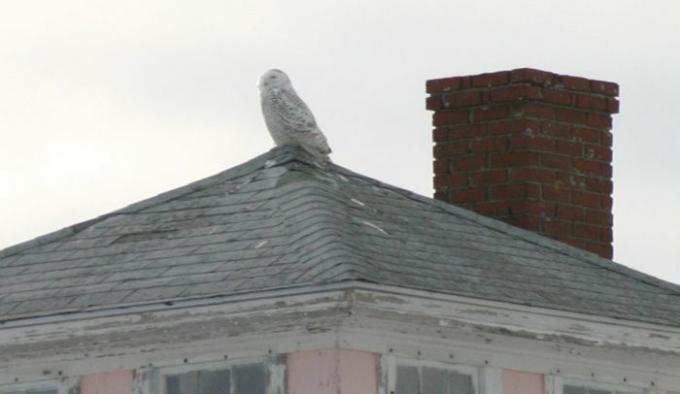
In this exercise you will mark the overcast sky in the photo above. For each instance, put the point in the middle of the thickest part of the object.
(104, 103)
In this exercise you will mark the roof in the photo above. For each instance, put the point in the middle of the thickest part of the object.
(284, 220)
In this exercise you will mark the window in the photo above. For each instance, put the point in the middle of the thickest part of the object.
(220, 378)
(419, 377)
(29, 391)
(572, 386)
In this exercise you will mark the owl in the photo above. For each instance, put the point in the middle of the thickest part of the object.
(289, 120)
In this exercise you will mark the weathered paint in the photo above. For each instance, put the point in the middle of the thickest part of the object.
(332, 371)
(369, 318)
(517, 382)
(118, 382)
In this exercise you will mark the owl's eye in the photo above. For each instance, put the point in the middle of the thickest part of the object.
(272, 76)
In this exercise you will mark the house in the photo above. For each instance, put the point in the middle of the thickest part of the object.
(286, 275)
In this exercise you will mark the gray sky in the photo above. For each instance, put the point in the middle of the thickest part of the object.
(104, 103)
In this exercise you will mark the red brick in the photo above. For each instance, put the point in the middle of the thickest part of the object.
(532, 174)
(439, 134)
(557, 130)
(578, 243)
(599, 185)
(536, 110)
(456, 148)
(570, 180)
(557, 227)
(519, 142)
(587, 166)
(559, 97)
(613, 106)
(489, 177)
(556, 161)
(441, 195)
(462, 99)
(606, 202)
(586, 231)
(587, 200)
(514, 126)
(496, 209)
(526, 222)
(605, 170)
(553, 193)
(513, 191)
(531, 207)
(468, 163)
(489, 144)
(441, 180)
(467, 131)
(600, 120)
(491, 79)
(571, 116)
(569, 148)
(603, 87)
(515, 92)
(575, 83)
(467, 195)
(586, 135)
(606, 234)
(443, 84)
(599, 217)
(532, 75)
(570, 213)
(485, 114)
(604, 250)
(441, 166)
(442, 118)
(513, 159)
(597, 152)
(591, 102)
(433, 103)
(606, 138)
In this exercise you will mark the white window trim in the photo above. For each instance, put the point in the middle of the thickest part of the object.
(484, 380)
(59, 386)
(555, 385)
(154, 381)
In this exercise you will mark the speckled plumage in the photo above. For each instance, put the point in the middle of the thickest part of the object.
(289, 120)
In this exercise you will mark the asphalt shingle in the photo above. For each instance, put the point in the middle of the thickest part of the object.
(282, 220)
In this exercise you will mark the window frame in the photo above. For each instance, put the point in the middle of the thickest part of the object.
(21, 387)
(390, 364)
(274, 366)
(557, 383)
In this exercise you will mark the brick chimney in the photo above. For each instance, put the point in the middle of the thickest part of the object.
(528, 147)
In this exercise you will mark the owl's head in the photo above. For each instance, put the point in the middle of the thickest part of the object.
(273, 79)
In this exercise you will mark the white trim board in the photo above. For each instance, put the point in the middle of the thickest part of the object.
(355, 316)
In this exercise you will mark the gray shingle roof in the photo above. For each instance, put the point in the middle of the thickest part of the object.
(283, 220)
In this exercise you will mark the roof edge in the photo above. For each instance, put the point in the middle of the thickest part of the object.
(280, 155)
(526, 235)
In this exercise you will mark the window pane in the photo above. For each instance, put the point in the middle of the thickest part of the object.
(186, 383)
(434, 381)
(574, 389)
(214, 382)
(460, 384)
(250, 379)
(407, 380)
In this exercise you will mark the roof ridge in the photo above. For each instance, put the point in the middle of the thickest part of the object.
(280, 155)
(525, 235)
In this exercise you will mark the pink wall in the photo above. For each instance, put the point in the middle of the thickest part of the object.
(119, 382)
(516, 382)
(332, 371)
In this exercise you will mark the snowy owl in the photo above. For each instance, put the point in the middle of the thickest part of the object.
(289, 120)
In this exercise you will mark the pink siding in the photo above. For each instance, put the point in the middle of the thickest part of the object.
(516, 382)
(332, 371)
(119, 382)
